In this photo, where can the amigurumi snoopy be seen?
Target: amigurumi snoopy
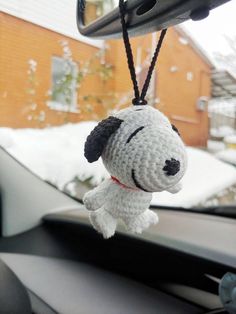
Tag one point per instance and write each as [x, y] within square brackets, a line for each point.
[143, 153]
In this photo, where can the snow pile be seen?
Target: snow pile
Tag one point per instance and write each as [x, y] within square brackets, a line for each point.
[205, 177]
[215, 146]
[56, 155]
[228, 155]
[230, 139]
[6, 138]
[222, 131]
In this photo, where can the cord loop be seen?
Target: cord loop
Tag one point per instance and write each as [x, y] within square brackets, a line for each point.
[139, 102]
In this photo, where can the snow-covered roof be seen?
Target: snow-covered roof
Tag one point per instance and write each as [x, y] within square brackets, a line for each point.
[55, 15]
[223, 84]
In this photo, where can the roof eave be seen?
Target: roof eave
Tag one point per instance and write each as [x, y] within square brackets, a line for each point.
[200, 51]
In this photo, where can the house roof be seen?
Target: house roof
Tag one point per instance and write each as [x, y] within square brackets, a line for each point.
[223, 84]
[193, 43]
[60, 16]
[56, 15]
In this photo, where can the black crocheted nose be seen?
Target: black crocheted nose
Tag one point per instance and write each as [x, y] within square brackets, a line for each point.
[172, 167]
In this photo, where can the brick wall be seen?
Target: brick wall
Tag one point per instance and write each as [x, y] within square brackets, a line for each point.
[21, 41]
[177, 93]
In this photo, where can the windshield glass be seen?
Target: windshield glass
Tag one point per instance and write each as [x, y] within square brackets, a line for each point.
[56, 85]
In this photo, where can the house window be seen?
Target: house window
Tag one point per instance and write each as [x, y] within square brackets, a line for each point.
[63, 92]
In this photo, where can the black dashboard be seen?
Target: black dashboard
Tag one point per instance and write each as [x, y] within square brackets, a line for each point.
[174, 267]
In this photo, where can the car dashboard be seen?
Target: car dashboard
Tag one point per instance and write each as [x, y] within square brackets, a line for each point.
[174, 267]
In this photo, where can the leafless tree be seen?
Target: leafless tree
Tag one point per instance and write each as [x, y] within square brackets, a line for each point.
[228, 60]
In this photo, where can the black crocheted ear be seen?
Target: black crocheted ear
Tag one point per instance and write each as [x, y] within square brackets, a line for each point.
[99, 137]
[175, 129]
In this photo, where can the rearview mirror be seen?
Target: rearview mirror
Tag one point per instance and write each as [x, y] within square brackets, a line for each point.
[100, 18]
[93, 10]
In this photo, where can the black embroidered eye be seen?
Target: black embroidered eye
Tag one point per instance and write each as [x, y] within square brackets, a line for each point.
[175, 129]
[134, 133]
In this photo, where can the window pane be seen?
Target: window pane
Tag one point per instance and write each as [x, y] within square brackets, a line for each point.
[64, 81]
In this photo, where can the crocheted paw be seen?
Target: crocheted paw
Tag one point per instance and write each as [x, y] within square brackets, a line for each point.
[96, 198]
[141, 222]
[103, 222]
[93, 200]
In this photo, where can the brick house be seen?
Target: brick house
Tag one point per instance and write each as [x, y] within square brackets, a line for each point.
[36, 46]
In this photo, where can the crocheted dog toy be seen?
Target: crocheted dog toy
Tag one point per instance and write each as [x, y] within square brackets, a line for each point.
[143, 153]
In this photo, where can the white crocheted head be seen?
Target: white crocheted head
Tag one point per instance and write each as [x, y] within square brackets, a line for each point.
[140, 148]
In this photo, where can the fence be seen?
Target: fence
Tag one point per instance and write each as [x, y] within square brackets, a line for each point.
[222, 117]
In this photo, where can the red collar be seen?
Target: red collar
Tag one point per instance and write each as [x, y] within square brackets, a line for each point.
[114, 179]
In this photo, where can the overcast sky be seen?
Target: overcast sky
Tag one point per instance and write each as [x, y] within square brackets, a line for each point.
[209, 33]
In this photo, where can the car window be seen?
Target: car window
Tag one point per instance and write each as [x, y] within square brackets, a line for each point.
[56, 85]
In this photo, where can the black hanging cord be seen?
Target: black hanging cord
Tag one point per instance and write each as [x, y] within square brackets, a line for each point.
[128, 49]
[139, 99]
[152, 65]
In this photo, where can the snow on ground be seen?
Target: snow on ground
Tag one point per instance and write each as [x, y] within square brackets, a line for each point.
[205, 177]
[222, 131]
[230, 139]
[56, 155]
[215, 146]
[227, 155]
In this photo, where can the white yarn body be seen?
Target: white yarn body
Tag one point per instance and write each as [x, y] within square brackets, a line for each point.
[110, 202]
[136, 154]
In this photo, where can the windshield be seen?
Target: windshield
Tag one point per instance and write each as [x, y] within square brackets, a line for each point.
[56, 85]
